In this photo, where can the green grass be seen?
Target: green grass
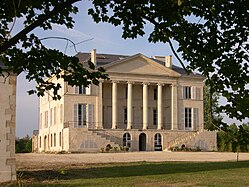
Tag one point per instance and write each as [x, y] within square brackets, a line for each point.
[142, 174]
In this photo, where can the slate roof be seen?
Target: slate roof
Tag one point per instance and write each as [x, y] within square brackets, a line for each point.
[104, 59]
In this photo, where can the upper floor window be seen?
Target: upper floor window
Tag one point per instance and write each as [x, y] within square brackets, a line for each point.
[186, 92]
[80, 115]
[191, 92]
[46, 119]
[155, 93]
[154, 116]
[83, 90]
[125, 115]
[126, 92]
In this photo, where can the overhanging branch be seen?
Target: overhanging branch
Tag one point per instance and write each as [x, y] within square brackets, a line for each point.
[40, 20]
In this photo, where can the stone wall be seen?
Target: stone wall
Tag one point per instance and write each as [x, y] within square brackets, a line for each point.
[82, 140]
[7, 125]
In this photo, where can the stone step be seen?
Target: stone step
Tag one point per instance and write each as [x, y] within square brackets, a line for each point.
[104, 138]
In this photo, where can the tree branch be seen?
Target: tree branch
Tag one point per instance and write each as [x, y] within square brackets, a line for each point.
[61, 38]
[176, 55]
[41, 18]
[170, 43]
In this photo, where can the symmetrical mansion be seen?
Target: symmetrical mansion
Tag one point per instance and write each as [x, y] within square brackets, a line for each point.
[147, 104]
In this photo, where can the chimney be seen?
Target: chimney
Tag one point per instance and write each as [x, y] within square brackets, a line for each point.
[93, 57]
[168, 61]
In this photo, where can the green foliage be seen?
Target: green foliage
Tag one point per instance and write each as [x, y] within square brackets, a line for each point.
[212, 117]
[234, 138]
[24, 145]
[211, 35]
[25, 52]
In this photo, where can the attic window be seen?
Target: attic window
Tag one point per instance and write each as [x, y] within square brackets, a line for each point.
[100, 57]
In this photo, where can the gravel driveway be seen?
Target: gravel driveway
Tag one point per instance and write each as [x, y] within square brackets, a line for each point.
[55, 161]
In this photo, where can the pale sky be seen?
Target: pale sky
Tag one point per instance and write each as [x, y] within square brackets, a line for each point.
[107, 39]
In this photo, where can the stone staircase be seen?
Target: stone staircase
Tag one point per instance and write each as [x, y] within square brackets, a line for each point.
[178, 141]
[105, 138]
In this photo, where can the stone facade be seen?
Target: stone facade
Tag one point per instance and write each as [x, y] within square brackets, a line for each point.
[146, 104]
[8, 125]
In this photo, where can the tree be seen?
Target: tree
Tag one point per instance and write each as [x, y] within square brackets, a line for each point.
[24, 52]
[24, 145]
[234, 138]
[212, 117]
[211, 35]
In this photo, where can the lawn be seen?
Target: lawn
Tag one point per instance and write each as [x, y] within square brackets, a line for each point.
[142, 174]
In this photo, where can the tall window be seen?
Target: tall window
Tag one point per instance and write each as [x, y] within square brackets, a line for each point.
[51, 116]
[61, 113]
[46, 119]
[127, 140]
[51, 140]
[188, 118]
[60, 139]
[155, 93]
[158, 139]
[54, 139]
[125, 116]
[186, 92]
[55, 115]
[83, 90]
[154, 116]
[40, 124]
[80, 115]
[126, 92]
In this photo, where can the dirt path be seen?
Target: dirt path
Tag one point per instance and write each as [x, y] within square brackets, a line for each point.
[56, 161]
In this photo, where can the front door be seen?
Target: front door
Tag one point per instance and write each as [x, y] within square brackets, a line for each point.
[142, 142]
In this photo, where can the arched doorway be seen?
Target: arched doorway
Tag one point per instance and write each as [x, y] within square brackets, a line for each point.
[142, 142]
[158, 142]
[127, 140]
[45, 143]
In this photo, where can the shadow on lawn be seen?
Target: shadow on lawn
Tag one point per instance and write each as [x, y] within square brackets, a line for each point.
[131, 169]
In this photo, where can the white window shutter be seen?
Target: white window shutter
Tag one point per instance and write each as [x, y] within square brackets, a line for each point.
[193, 90]
[88, 90]
[182, 118]
[90, 116]
[198, 93]
[195, 117]
[183, 92]
[75, 121]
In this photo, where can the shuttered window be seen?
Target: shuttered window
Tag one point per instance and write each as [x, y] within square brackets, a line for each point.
[83, 90]
[188, 118]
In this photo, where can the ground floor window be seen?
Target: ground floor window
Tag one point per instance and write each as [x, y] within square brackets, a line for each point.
[54, 139]
[127, 140]
[188, 118]
[60, 139]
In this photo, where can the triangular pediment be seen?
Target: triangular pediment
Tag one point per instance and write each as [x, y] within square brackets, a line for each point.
[140, 64]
